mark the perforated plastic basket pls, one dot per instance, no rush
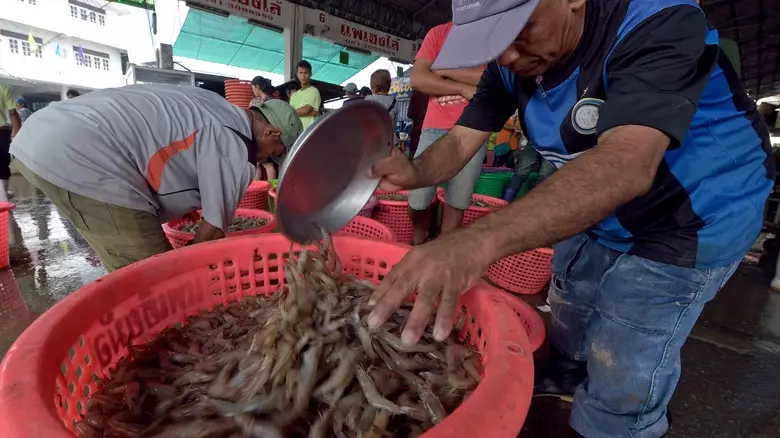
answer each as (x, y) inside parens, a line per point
(256, 196)
(395, 214)
(473, 212)
(369, 228)
(530, 318)
(180, 239)
(524, 273)
(272, 200)
(47, 374)
(5, 208)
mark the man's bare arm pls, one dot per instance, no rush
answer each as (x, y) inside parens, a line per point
(620, 168)
(207, 232)
(469, 76)
(448, 155)
(306, 110)
(430, 83)
(16, 121)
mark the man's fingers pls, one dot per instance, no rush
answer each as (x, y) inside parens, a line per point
(421, 313)
(392, 296)
(444, 314)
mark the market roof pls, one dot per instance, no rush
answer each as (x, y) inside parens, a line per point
(232, 41)
(753, 24)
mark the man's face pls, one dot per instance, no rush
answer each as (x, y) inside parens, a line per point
(269, 144)
(304, 75)
(544, 40)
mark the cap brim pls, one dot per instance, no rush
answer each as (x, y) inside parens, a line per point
(479, 42)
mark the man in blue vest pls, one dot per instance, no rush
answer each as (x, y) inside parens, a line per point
(664, 166)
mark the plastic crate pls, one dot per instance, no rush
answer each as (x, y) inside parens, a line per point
(47, 375)
(256, 196)
(473, 213)
(492, 181)
(180, 239)
(5, 208)
(395, 214)
(369, 228)
(530, 318)
(525, 273)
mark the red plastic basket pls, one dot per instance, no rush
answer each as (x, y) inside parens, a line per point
(395, 214)
(370, 228)
(473, 213)
(180, 239)
(272, 200)
(256, 196)
(238, 92)
(5, 208)
(47, 374)
(530, 318)
(524, 273)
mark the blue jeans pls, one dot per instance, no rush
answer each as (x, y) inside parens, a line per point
(628, 317)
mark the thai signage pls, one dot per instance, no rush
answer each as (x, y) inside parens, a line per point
(277, 13)
(359, 37)
(144, 4)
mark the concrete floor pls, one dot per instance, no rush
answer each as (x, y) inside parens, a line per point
(730, 385)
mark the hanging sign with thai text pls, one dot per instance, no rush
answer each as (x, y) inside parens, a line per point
(276, 13)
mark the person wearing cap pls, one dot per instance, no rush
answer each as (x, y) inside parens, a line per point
(351, 92)
(649, 128)
(10, 123)
(22, 110)
(125, 160)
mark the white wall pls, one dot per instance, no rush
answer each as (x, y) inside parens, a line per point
(54, 68)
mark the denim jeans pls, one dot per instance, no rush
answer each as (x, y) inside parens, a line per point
(628, 317)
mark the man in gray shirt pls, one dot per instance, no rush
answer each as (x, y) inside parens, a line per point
(119, 162)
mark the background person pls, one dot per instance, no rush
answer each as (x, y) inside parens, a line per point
(448, 93)
(306, 101)
(70, 94)
(263, 90)
(22, 110)
(159, 153)
(649, 127)
(10, 123)
(352, 94)
(380, 93)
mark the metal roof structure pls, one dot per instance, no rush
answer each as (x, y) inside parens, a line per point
(753, 24)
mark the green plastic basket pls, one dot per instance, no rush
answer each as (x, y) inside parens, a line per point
(492, 184)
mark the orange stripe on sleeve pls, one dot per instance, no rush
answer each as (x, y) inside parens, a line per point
(157, 163)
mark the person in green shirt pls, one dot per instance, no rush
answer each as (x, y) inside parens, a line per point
(10, 123)
(306, 101)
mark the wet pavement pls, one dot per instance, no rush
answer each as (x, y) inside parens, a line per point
(730, 385)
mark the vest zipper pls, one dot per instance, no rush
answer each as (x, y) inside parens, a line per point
(539, 87)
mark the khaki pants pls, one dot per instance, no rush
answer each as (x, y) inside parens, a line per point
(119, 235)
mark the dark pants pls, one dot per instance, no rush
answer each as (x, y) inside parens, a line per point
(5, 156)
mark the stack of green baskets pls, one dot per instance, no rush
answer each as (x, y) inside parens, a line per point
(493, 183)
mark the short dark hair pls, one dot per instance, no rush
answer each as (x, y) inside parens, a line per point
(294, 85)
(260, 82)
(72, 93)
(380, 81)
(304, 64)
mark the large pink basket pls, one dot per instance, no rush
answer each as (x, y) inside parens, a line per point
(256, 196)
(369, 228)
(530, 318)
(5, 208)
(395, 214)
(180, 239)
(47, 374)
(524, 273)
(473, 213)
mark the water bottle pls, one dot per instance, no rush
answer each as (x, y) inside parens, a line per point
(513, 187)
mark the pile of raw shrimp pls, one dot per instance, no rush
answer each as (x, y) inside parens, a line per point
(299, 363)
(239, 224)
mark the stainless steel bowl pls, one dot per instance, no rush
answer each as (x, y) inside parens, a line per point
(324, 180)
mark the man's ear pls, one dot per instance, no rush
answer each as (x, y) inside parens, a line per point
(270, 131)
(576, 5)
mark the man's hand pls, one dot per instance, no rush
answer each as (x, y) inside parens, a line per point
(468, 91)
(441, 271)
(207, 232)
(396, 172)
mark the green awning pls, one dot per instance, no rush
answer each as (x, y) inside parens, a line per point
(232, 41)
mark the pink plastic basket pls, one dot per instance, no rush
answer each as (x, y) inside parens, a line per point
(5, 208)
(180, 239)
(272, 200)
(47, 374)
(367, 227)
(395, 214)
(530, 318)
(524, 273)
(473, 213)
(256, 196)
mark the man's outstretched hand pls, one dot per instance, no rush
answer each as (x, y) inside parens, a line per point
(396, 172)
(441, 271)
